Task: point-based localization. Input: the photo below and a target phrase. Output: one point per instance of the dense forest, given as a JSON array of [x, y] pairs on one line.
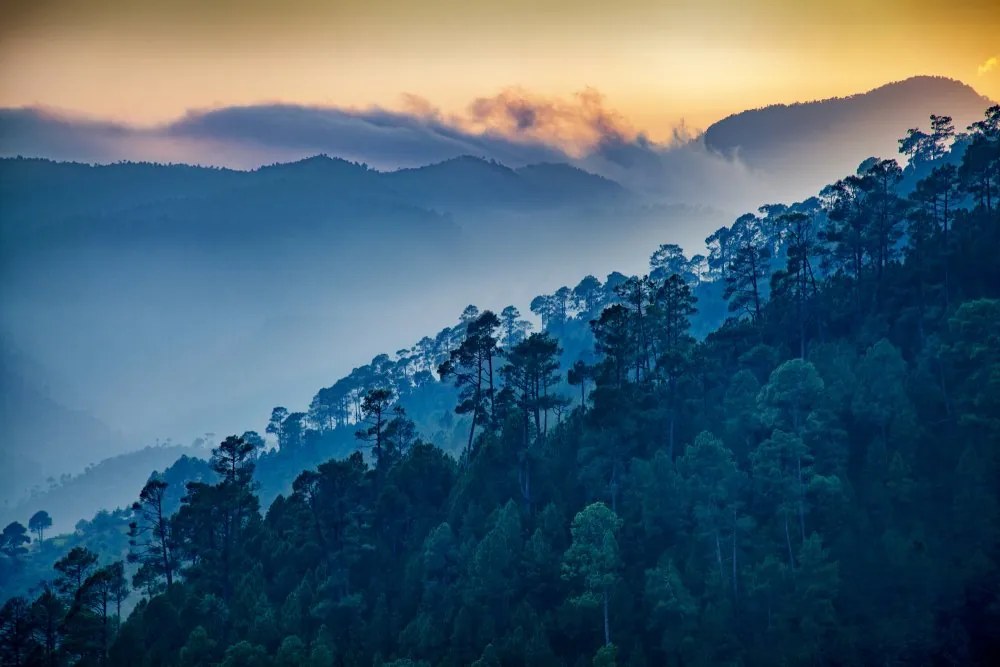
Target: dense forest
[[815, 481]]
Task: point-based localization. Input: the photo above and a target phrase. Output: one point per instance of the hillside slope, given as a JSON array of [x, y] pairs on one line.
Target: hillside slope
[[786, 138]]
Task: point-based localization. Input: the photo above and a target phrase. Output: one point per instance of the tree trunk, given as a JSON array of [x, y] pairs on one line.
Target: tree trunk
[[736, 590], [545, 412], [607, 624], [166, 555], [670, 446], [718, 554], [493, 410], [472, 431], [802, 511], [788, 541], [613, 487]]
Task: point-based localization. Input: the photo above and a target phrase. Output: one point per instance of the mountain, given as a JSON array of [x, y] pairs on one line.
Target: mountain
[[112, 483], [145, 287], [789, 139], [470, 181], [42, 436]]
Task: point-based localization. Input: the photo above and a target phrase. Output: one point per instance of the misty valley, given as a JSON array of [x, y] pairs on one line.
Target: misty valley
[[522, 407]]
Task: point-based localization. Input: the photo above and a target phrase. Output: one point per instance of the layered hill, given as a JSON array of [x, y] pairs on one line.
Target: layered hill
[[790, 139]]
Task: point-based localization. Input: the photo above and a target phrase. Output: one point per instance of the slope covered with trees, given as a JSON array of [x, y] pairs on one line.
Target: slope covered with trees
[[814, 482]]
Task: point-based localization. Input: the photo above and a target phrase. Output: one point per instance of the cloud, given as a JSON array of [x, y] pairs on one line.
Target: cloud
[[383, 138], [514, 127], [248, 136], [576, 126], [988, 66]]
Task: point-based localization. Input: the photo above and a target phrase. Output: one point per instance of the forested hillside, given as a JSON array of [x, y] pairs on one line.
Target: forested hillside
[[812, 482]]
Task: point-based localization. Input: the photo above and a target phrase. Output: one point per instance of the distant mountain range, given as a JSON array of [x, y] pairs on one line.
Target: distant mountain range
[[42, 437], [110, 484], [178, 300], [843, 131], [37, 195]]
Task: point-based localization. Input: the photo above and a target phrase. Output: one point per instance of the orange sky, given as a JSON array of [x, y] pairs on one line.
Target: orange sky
[[656, 61]]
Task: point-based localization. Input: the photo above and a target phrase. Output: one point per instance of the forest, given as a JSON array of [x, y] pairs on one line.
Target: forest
[[783, 452]]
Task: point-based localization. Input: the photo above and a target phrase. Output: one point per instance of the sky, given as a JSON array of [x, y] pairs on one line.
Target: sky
[[657, 63]]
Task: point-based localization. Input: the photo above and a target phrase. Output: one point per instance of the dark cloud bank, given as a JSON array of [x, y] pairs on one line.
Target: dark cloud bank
[[513, 128], [749, 158]]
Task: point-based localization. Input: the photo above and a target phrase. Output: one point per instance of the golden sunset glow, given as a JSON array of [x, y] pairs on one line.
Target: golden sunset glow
[[655, 62]]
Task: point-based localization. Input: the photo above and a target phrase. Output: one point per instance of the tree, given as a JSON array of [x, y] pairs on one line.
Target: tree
[[720, 252], [672, 306], [593, 559], [932, 210], [921, 147], [531, 372], [73, 569], [714, 487], [88, 622], [792, 391], [666, 261], [636, 293], [817, 584], [233, 460], [119, 589], [613, 339], [150, 538], [844, 233], [798, 280], [579, 375], [916, 145], [39, 522], [781, 464], [546, 308], [215, 522], [292, 433], [16, 632], [14, 536], [513, 327], [780, 469], [399, 436], [471, 368], [980, 171], [374, 411], [886, 213], [673, 607], [669, 313], [275, 424], [748, 265], [587, 295], [942, 132], [47, 612], [494, 563], [561, 301], [881, 394]]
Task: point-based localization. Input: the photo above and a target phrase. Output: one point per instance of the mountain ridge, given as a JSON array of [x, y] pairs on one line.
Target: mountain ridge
[[853, 127]]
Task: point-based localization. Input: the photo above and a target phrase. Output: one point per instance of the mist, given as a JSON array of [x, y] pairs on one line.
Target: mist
[[169, 302]]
